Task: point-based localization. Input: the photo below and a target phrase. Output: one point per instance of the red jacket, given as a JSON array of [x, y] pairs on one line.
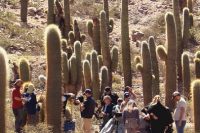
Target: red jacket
[[15, 103]]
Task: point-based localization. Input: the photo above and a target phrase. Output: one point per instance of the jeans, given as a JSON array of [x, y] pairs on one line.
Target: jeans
[[180, 129], [18, 113]]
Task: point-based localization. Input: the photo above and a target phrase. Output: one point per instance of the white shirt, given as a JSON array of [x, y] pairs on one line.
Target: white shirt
[[181, 103]]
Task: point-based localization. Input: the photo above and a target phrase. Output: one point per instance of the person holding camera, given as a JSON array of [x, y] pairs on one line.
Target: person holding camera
[[108, 92], [87, 111]]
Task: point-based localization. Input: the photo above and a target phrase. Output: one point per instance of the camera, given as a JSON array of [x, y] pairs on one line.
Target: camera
[[80, 99]]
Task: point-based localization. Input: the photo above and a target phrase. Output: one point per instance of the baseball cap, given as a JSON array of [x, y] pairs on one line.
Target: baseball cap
[[88, 91], [176, 93]]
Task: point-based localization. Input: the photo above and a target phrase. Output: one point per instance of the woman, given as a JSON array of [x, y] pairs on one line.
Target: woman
[[131, 117], [31, 104], [107, 110], [158, 115]]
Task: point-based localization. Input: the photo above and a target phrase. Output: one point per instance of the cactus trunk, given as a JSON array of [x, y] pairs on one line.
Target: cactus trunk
[[24, 10], [87, 74], [196, 106], [65, 68], [126, 58], [3, 88], [104, 78], [67, 17], [54, 77], [105, 50], [176, 12], [50, 15], [24, 70], [155, 69], [186, 75]]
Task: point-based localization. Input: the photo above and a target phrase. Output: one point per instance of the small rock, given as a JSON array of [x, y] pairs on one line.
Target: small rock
[[32, 11]]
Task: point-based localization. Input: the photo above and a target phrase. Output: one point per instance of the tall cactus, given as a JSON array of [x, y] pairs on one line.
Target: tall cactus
[[24, 10], [186, 75], [170, 59], [100, 61], [24, 70], [73, 70], [54, 77], [114, 58], [109, 22], [105, 45], [104, 78], [176, 12], [87, 56], [78, 51], [87, 74], [3, 88], [197, 64], [196, 106], [126, 58], [186, 27], [155, 69], [51, 14], [146, 72], [67, 17], [95, 75], [65, 68], [94, 33]]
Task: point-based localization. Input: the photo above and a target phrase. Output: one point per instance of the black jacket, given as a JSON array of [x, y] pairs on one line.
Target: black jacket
[[89, 108]]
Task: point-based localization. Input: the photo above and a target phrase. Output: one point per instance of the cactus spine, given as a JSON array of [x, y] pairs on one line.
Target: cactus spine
[[95, 75], [50, 15], [170, 59], [54, 77], [24, 70], [65, 68], [24, 10], [3, 88], [105, 45], [94, 33], [104, 78], [67, 17], [126, 58], [114, 58], [146, 72], [155, 69], [87, 74], [196, 106], [186, 75], [186, 27], [176, 12]]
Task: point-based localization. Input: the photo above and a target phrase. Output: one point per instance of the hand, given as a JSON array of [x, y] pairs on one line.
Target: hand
[[154, 116], [179, 123]]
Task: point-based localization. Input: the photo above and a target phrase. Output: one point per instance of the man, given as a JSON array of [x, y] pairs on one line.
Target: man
[[17, 105], [131, 92], [126, 100], [113, 96], [87, 111], [180, 112]]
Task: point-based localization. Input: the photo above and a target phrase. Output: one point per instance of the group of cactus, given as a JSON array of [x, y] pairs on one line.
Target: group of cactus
[[182, 34]]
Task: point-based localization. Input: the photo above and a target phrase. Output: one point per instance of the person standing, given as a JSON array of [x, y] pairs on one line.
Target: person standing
[[17, 105], [131, 117], [180, 112], [126, 100], [30, 105], [108, 92], [87, 111]]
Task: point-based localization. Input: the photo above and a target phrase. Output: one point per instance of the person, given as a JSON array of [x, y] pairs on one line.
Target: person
[[180, 112], [107, 110], [112, 95], [126, 100], [42, 81], [131, 92], [30, 104], [159, 116], [117, 114], [17, 105], [131, 117], [87, 111]]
